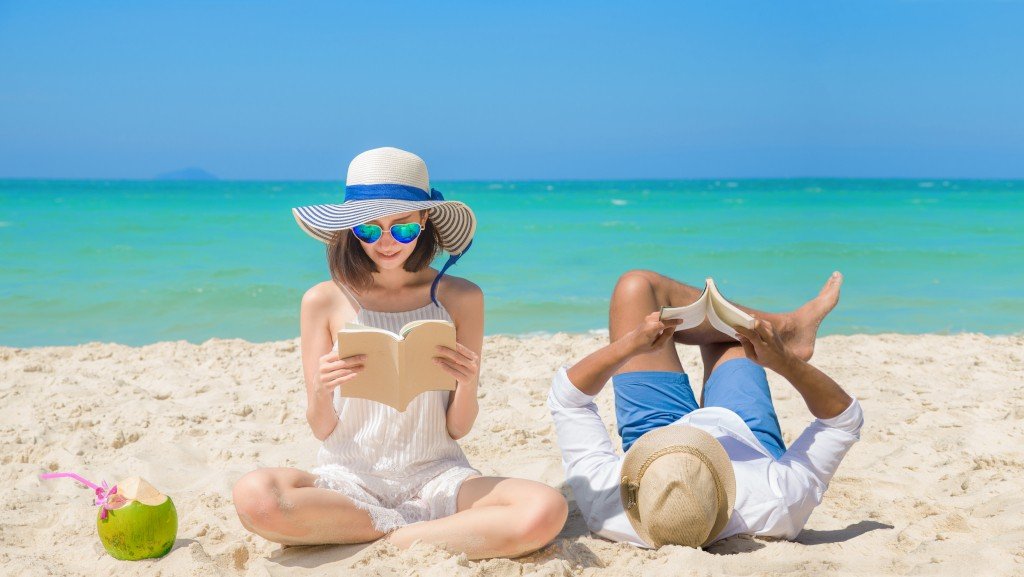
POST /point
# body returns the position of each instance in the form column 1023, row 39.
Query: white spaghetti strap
column 351, row 295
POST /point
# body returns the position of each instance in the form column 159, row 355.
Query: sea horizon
column 340, row 180
column 138, row 261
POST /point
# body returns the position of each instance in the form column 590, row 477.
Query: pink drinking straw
column 103, row 494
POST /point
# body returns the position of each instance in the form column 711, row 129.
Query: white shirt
column 774, row 498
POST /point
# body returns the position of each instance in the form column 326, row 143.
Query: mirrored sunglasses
column 403, row 233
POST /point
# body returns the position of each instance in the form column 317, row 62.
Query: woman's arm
column 465, row 303
column 321, row 369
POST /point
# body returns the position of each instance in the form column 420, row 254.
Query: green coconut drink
column 141, row 523
column 135, row 521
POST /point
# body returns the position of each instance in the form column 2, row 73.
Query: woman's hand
column 334, row 371
column 461, row 363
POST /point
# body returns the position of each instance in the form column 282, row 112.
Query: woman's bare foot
column 801, row 329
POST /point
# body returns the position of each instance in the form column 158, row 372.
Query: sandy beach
column 933, row 488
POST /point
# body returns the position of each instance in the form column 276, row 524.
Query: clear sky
column 517, row 90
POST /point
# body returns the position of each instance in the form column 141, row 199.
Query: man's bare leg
column 714, row 354
column 640, row 292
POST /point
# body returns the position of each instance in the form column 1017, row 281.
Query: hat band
column 389, row 191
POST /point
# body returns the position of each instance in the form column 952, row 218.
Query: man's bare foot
column 801, row 329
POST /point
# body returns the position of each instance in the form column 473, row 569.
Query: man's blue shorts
column 646, row 400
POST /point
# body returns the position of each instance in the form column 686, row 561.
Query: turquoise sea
column 137, row 262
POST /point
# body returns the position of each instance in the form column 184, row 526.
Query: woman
column 384, row 473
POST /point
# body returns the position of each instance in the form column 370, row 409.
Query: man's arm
column 592, row 467
column 823, row 396
column 805, row 470
column 590, row 374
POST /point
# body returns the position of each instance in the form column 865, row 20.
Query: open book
column 397, row 367
column 722, row 314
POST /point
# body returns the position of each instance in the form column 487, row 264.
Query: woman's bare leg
column 640, row 292
column 282, row 505
column 497, row 517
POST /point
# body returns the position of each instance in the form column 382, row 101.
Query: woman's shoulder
column 463, row 300
column 320, row 295
column 325, row 296
column 458, row 289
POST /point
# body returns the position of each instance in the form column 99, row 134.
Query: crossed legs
column 496, row 517
column 640, row 292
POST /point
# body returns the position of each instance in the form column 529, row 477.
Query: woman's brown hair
column 350, row 265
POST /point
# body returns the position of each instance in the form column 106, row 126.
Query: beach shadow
column 577, row 554
column 813, row 537
column 735, row 545
column 179, row 543
column 575, row 527
column 314, row 556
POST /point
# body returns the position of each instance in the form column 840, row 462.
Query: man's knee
column 634, row 284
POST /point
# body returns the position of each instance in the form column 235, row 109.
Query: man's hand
column 591, row 373
column 651, row 334
column 763, row 346
column 824, row 397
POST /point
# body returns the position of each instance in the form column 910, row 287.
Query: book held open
column 398, row 367
column 722, row 314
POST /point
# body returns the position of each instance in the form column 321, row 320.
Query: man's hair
column 349, row 264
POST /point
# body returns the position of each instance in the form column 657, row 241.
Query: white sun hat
column 386, row 181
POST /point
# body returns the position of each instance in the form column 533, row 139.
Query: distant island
column 191, row 173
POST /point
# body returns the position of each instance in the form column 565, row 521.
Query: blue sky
column 527, row 90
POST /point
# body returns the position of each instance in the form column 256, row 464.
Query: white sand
column 936, row 485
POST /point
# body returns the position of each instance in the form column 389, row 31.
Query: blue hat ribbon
column 390, row 192
column 452, row 259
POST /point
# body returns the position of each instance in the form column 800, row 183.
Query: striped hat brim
column 454, row 221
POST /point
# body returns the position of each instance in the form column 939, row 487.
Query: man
column 694, row 475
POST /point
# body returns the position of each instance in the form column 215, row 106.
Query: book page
column 692, row 315
column 724, row 315
column 418, row 371
column 359, row 327
column 409, row 326
column 379, row 379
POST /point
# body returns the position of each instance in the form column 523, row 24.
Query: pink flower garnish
column 106, row 497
